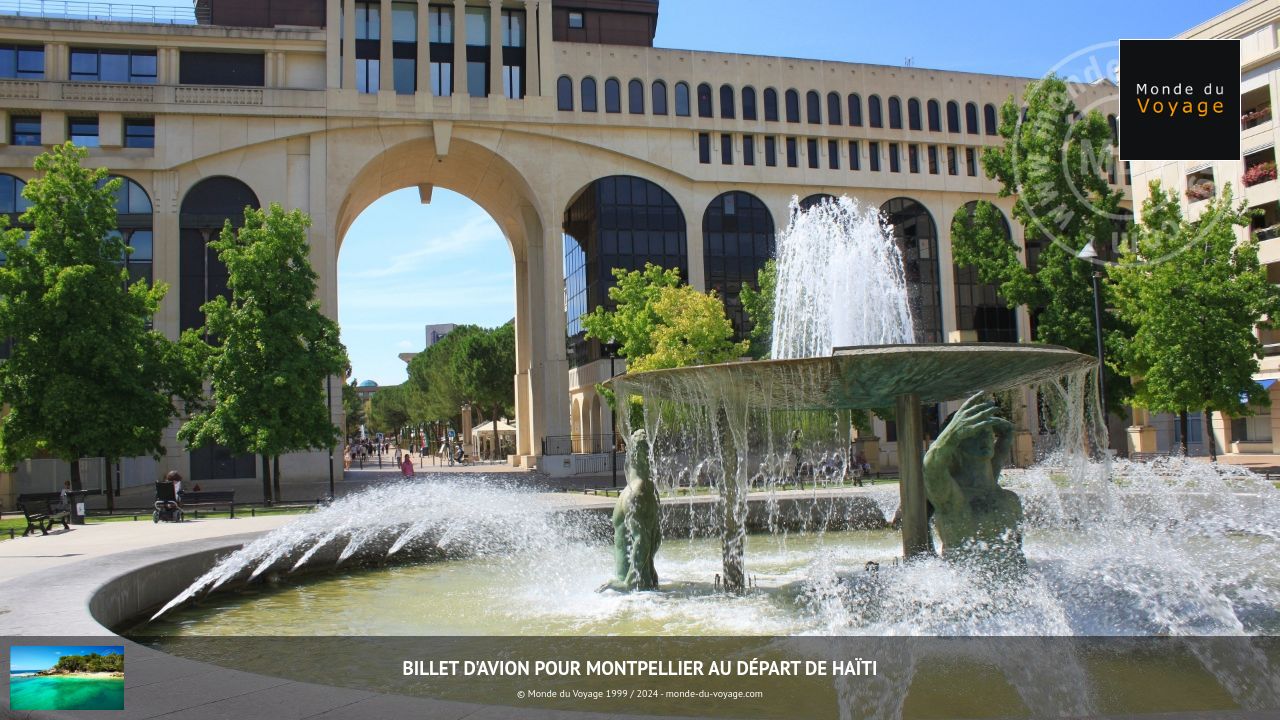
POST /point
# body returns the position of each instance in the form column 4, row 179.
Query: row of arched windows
column 917, row 117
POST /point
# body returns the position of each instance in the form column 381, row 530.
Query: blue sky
column 404, row 265
column 43, row 657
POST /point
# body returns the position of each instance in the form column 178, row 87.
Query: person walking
column 346, row 458
column 406, row 466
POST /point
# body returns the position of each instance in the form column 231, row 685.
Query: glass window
column 118, row 66
column 793, row 153
column 704, row 148
column 404, row 22
column 368, row 21
column 917, row 240
column 513, row 28
column 971, row 118
column 131, row 199
column 793, row 106
column 612, row 96
column 477, row 78
column 478, row 27
column 873, row 111
column 726, row 102
column 113, row 67
column 770, row 105
column 913, row 114
column 24, row 62
column 440, row 25
column 935, row 116
column 813, row 107
column 855, row 110
column 953, row 167
column 564, row 93
column 933, row 159
column 895, row 163
column 834, row 116
column 441, row 79
column 749, row 103
column 873, row 156
column 833, row 154
column 771, row 151
column 726, row 149
column 748, row 150
column 366, row 75
column 404, row 72
column 855, row 162
column 971, row 161
column 953, row 116
column 576, row 21
column 704, row 101
column 682, row 99
column 659, row 97
column 913, row 158
column 738, row 239
column 993, row 126
column 895, row 113
column 140, row 132
column 24, row 130
column 979, row 306
column 635, row 97
column 811, row 149
column 83, row 131
column 588, row 94
column 11, row 200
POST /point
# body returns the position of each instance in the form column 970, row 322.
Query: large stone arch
column 979, row 307
column 738, row 234
column 473, row 165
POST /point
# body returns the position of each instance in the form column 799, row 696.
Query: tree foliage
column 352, row 408
column 469, row 365
column 91, row 663
column 389, row 409
column 1194, row 295
column 270, row 348
column 87, row 374
column 758, row 305
column 1055, row 164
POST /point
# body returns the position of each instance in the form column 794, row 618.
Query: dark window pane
column 588, row 94
column 682, row 99
column 748, row 103
column 564, row 93
column 635, row 97
column 704, row 101
column 659, row 98
column 770, row 105
column 873, row 111
column 726, row 102
column 793, row 106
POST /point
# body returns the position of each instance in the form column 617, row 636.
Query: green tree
column 432, row 374
column 758, row 305
column 352, row 408
column 1056, row 166
column 270, row 347
column 389, row 409
column 1194, row 295
column 483, row 367
column 87, row 374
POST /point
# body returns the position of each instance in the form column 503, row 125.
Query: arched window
column 682, row 99
column 564, row 93
column 992, row 124
column 1115, row 129
column 971, row 118
column 813, row 107
column 202, row 277
column 770, row 105
column 979, row 306
column 612, row 96
column 913, row 115
column 875, row 117
column 726, row 102
column 834, row 116
column 588, row 94
column 737, row 237
column 935, row 116
column 816, row 199
column 635, row 97
column 895, row 113
column 793, row 106
column 659, row 92
column 12, row 204
column 855, row 110
column 749, row 103
column 917, row 238
column 618, row 221
column 133, row 222
column 704, row 101
column 953, row 116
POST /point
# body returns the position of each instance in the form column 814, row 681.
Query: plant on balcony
column 1200, row 191
column 1255, row 117
column 1267, row 233
column 1260, row 173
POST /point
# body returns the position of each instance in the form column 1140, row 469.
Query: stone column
column 495, row 48
column 333, row 43
column 946, row 272
column 695, row 258
column 349, row 44
column 915, row 519
column 386, row 62
column 545, row 63
column 57, row 61
column 424, row 49
column 460, row 48
column 532, row 76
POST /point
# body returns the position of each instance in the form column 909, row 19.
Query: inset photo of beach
column 66, row 677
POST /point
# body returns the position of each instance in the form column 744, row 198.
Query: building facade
column 589, row 147
column 1253, row 179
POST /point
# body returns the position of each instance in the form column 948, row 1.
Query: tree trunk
column 1183, row 427
column 111, row 495
column 75, row 474
column 496, row 453
column 275, row 476
column 1208, row 431
column 266, row 480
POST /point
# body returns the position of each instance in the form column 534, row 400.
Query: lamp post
column 328, row 396
column 611, row 348
column 1088, row 254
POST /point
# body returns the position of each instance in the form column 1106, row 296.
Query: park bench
column 210, row 498
column 41, row 513
column 1144, row 457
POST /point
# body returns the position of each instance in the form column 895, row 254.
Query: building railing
column 141, row 94
column 573, row 444
column 105, row 11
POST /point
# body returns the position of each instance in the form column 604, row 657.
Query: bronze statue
column 636, row 530
column 973, row 515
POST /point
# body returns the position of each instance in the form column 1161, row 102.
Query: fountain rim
column 1066, row 362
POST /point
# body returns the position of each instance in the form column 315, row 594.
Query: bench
column 210, row 498
column 41, row 515
column 1143, row 457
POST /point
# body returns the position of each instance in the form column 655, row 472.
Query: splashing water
column 840, row 282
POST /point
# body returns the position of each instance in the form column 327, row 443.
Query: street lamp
column 1088, row 254
column 611, row 348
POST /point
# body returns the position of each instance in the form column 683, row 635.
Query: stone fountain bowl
column 870, row 376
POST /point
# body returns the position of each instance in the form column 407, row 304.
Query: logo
column 1180, row 99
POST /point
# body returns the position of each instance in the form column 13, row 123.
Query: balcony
column 1256, row 117
column 105, row 12
column 49, row 94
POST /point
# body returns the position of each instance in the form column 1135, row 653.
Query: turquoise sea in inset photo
column 66, row 677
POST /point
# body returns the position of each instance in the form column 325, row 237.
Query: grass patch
column 18, row 523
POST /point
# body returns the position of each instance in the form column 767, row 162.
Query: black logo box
column 1187, row 68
